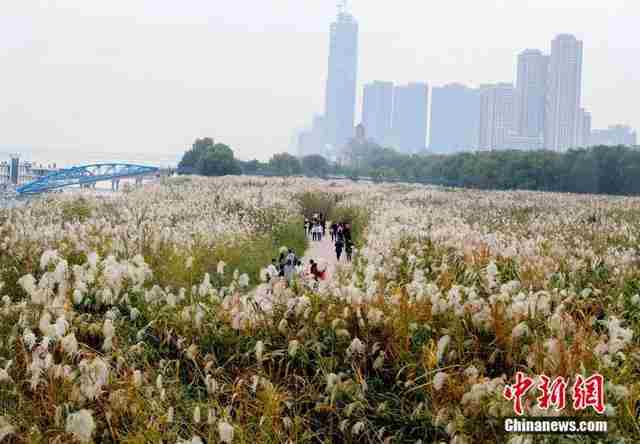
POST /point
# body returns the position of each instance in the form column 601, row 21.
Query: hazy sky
column 149, row 76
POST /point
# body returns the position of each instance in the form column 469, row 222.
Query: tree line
column 596, row 170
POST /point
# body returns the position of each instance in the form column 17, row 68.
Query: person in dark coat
column 349, row 250
column 339, row 247
column 281, row 263
column 347, row 232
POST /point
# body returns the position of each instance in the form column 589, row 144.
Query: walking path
column 324, row 252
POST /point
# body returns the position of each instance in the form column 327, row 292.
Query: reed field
column 143, row 317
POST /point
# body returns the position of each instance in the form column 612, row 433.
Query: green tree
column 284, row 164
column 315, row 165
column 218, row 161
column 192, row 156
column 251, row 167
column 209, row 159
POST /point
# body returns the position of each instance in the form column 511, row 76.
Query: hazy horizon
column 148, row 77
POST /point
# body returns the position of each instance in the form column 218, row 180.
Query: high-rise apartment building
column 455, row 111
column 531, row 88
column 584, row 129
column 564, row 87
column 410, row 105
column 377, row 110
column 341, row 81
column 497, row 117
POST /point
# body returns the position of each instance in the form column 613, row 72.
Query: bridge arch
column 85, row 175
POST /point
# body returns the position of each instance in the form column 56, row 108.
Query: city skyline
column 543, row 109
column 176, row 72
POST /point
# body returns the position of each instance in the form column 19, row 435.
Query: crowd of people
column 316, row 229
column 288, row 266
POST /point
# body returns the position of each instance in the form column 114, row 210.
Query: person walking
column 281, row 263
column 339, row 247
column 290, row 266
column 347, row 232
column 333, row 229
column 349, row 249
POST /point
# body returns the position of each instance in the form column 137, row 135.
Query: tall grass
column 312, row 202
column 247, row 256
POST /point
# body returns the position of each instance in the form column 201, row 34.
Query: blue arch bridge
column 87, row 176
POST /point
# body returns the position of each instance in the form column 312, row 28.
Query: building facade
column 584, row 129
column 531, row 89
column 455, row 111
column 564, row 89
column 377, row 111
column 497, row 116
column 410, row 108
column 340, row 99
column 313, row 140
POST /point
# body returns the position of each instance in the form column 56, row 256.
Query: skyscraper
column 497, row 117
column 564, row 88
column 377, row 108
column 455, row 110
column 584, row 128
column 341, row 81
column 531, row 87
column 410, row 104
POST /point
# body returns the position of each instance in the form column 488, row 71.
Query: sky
column 142, row 79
